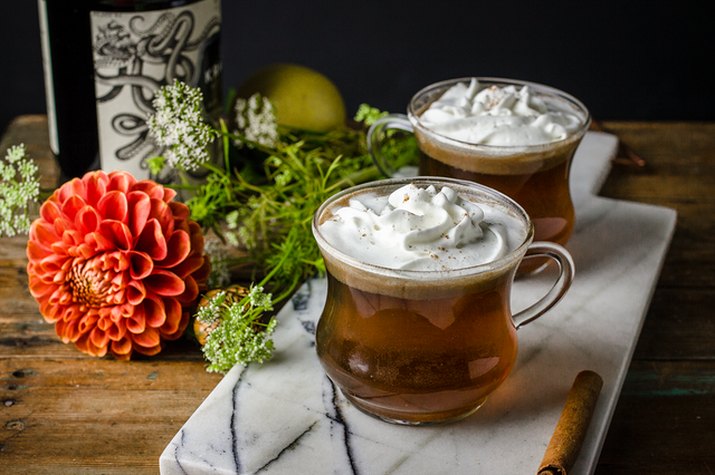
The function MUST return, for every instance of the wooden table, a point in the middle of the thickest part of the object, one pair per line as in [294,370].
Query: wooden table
[65,412]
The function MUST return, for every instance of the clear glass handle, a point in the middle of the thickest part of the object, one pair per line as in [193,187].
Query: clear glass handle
[566,272]
[376,135]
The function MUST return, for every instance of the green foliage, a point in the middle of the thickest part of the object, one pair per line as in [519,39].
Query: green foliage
[263,200]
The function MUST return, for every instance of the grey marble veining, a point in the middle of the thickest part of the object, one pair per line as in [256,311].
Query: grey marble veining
[287,417]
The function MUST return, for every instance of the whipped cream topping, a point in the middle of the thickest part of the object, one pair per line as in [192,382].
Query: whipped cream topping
[418,228]
[499,115]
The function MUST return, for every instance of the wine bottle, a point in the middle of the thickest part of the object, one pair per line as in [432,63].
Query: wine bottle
[104,61]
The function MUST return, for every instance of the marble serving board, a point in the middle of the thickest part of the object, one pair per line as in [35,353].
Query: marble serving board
[286,417]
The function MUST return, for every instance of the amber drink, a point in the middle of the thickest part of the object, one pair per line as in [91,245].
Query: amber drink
[417,326]
[514,136]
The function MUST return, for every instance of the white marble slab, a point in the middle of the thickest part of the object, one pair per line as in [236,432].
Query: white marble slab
[286,416]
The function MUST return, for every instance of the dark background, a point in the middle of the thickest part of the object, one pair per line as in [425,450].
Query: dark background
[624,60]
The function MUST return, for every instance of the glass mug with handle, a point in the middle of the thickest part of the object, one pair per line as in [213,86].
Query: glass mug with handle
[417,326]
[514,136]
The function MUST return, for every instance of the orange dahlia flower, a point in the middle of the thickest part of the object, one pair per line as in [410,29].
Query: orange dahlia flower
[115,264]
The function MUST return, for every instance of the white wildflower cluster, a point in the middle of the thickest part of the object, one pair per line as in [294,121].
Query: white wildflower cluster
[19,190]
[210,312]
[258,298]
[256,121]
[240,335]
[179,126]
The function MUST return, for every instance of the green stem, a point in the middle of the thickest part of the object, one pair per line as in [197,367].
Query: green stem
[226,144]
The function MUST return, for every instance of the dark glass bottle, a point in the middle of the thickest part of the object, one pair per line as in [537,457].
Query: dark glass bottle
[104,60]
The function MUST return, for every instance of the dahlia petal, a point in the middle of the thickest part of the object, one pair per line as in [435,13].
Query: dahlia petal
[121,181]
[51,313]
[149,338]
[98,338]
[39,288]
[113,205]
[87,220]
[62,225]
[190,265]
[162,213]
[67,331]
[118,233]
[169,194]
[61,297]
[98,241]
[197,236]
[50,211]
[183,323]
[118,261]
[172,319]
[155,316]
[152,241]
[140,265]
[43,232]
[191,292]
[135,292]
[178,248]
[147,351]
[179,210]
[139,209]
[37,251]
[151,188]
[120,312]
[85,250]
[104,323]
[122,348]
[52,263]
[118,280]
[136,324]
[86,345]
[73,188]
[69,320]
[164,283]
[72,313]
[70,238]
[87,322]
[72,205]
[96,186]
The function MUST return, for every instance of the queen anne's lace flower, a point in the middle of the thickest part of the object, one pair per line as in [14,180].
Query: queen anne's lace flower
[178,125]
[115,264]
[19,189]
[256,120]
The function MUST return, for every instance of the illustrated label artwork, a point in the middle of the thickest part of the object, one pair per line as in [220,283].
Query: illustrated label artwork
[135,53]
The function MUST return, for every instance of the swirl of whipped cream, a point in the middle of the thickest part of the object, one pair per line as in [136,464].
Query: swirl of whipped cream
[501,116]
[416,228]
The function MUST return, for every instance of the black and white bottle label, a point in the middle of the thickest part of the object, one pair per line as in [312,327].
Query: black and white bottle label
[135,53]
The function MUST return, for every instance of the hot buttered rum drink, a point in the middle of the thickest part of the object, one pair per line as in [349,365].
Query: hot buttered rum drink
[516,137]
[417,326]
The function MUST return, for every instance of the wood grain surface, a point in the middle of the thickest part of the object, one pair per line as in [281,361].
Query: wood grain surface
[64,412]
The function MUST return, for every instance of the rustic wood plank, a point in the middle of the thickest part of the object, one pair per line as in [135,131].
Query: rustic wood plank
[664,422]
[677,328]
[96,415]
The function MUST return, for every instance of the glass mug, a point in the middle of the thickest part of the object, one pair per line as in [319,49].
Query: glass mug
[422,347]
[536,176]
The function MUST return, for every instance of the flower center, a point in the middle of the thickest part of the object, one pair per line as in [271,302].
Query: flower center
[99,281]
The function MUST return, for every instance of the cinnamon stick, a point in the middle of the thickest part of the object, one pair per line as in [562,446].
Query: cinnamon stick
[571,428]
